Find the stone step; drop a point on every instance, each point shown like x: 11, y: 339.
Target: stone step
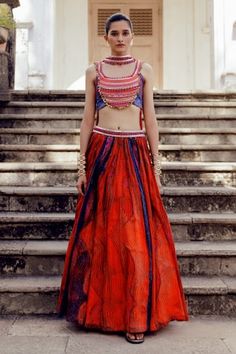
x: 43, y: 120
x: 196, y: 120
x: 47, y: 257
x: 71, y: 136
x: 162, y: 99
x: 192, y: 107
x: 193, y: 110
x: 53, y: 95
x: 171, y: 96
x: 63, y: 199
x: 58, y: 226
x: 8, y: 120
x: 191, y: 152
x: 173, y: 174
x: 61, y: 153
x: 213, y: 295
x: 197, y: 136
x: 59, y: 95
x: 79, y: 95
x: 179, y: 106
x: 43, y: 107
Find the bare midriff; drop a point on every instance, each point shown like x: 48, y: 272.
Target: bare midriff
x: 122, y: 119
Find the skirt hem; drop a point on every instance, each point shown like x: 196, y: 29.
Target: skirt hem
x: 122, y: 329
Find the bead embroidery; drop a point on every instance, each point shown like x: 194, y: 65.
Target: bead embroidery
x: 118, y: 92
x: 119, y: 60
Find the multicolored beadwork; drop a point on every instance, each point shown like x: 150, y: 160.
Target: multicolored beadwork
x: 119, y: 60
x: 119, y: 92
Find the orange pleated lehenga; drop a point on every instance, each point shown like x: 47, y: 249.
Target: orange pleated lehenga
x: 121, y: 271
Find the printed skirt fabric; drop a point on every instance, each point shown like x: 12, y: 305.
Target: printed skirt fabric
x: 121, y: 271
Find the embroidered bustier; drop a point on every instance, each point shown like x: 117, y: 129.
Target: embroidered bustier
x: 119, y: 92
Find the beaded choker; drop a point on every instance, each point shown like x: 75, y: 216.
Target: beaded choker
x: 119, y: 60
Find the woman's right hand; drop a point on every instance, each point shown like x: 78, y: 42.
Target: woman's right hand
x: 81, y: 185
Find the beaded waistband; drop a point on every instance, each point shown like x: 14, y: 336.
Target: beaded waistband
x: 119, y: 133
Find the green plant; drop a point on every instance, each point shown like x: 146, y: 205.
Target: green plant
x: 6, y: 19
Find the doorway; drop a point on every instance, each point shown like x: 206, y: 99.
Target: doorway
x: 147, y: 23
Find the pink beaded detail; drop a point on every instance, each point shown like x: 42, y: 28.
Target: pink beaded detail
x: 119, y: 60
x: 118, y: 92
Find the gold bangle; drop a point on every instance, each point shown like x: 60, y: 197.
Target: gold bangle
x: 81, y: 163
x: 157, y: 163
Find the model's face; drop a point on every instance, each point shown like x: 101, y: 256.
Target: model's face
x: 119, y: 37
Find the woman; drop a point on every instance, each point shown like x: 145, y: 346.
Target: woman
x: 121, y: 271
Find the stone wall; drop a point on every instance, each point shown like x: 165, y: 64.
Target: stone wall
x: 198, y: 44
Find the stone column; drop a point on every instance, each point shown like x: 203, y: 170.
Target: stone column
x: 7, y: 48
x: 224, y: 44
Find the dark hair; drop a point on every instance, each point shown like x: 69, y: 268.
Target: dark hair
x: 118, y: 16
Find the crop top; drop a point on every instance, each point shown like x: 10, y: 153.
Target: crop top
x: 119, y: 92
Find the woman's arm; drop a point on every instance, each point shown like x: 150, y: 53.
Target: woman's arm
x: 89, y: 109
x: 148, y: 109
x: 86, y: 127
x: 150, y: 119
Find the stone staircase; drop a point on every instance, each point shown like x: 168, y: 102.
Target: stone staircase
x: 39, y: 135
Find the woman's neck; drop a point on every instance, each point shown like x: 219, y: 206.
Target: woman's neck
x: 121, y: 54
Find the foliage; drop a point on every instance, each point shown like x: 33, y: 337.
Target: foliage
x: 6, y: 19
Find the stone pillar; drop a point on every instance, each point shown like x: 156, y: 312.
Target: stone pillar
x: 225, y: 44
x: 7, y: 48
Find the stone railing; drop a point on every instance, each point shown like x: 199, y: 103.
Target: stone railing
x: 7, y: 48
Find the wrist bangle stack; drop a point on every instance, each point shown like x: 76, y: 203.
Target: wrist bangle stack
x: 81, y: 162
x: 157, y: 164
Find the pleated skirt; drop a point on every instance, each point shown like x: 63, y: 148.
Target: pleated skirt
x: 121, y: 271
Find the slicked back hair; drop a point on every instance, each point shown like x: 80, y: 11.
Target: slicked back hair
x: 118, y: 16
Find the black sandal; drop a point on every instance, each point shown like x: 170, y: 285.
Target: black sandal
x: 134, y: 340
